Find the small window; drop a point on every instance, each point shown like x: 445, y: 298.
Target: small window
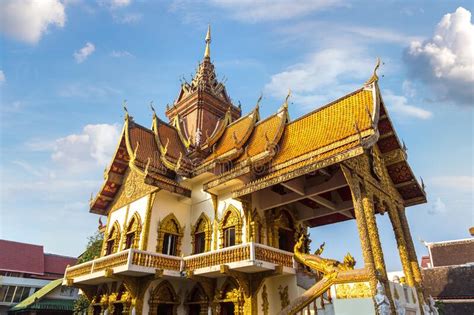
x: 129, y: 240
x: 286, y: 239
x: 110, y: 247
x: 170, y: 244
x: 18, y: 294
x: 199, y: 242
x: 3, y: 292
x: 229, y: 236
x: 26, y: 293
x: 10, y: 293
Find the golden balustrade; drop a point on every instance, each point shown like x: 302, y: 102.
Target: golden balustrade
x: 273, y: 255
x: 137, y: 258
x: 157, y: 261
x: 219, y: 257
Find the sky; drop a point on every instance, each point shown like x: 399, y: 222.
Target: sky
x: 66, y: 67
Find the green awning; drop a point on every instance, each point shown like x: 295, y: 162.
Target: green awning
x: 39, y: 301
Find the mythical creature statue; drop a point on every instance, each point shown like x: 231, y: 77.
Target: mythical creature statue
x: 381, y: 300
x: 323, y: 265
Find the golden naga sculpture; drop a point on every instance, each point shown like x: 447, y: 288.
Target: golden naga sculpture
x: 325, y: 266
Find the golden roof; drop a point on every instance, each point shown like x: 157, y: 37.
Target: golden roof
x: 327, y: 125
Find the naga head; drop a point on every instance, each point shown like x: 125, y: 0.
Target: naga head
x: 299, y: 244
x: 349, y: 261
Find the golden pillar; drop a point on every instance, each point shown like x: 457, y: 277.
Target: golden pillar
x: 361, y: 226
x: 376, y: 245
x: 415, y: 268
x: 411, y: 248
x: 402, y: 245
x: 215, y: 230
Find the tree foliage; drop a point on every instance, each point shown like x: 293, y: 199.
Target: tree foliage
x: 94, y: 245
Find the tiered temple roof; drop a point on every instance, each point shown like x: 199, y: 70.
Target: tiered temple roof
x: 248, y: 151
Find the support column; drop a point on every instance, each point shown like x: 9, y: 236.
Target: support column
x: 415, y: 268
x: 215, y: 204
x: 376, y: 245
x: 411, y: 247
x: 401, y: 243
x: 362, y: 227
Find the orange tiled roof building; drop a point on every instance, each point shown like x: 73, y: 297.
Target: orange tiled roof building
x: 209, y: 212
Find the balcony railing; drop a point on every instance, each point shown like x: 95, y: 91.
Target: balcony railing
x: 248, y: 254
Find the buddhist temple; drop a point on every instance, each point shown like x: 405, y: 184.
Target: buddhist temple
x: 209, y: 211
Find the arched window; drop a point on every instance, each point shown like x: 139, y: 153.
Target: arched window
x: 229, y: 298
x: 231, y: 227
x: 197, y: 301
x: 170, y: 234
x: 132, y: 234
x: 112, y: 239
x: 163, y: 299
x: 201, y: 234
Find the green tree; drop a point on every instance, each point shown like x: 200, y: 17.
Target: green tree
x: 94, y: 246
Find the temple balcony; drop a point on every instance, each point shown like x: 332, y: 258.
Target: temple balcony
x: 248, y: 258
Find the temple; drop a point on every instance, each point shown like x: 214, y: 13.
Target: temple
x: 208, y: 212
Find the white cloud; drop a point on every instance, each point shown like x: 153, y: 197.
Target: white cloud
x: 323, y: 76
x: 255, y: 11
x: 460, y: 183
x: 127, y: 18
x: 115, y: 4
x: 87, y: 91
x: 445, y: 61
x: 95, y: 145
x: 28, y: 20
x: 3, y: 79
x: 399, y: 104
x: 120, y: 53
x: 84, y: 52
x: 437, y: 207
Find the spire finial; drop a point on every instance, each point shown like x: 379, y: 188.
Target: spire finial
x: 207, y: 52
x: 152, y: 108
x: 374, y: 76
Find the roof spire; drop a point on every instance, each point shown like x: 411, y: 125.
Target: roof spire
x: 207, y: 52
x: 374, y: 76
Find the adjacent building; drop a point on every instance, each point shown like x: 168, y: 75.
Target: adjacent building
x: 448, y: 274
x: 209, y: 211
x: 24, y: 269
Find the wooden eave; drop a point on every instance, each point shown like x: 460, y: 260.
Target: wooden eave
x: 128, y: 155
x: 395, y: 159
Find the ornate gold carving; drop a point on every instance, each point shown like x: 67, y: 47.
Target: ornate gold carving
x: 215, y: 230
x: 112, y: 237
x: 361, y: 224
x: 146, y: 228
x: 134, y: 227
x: 394, y: 156
x: 284, y: 299
x: 170, y: 225
x: 353, y: 290
x: 231, y: 218
x: 203, y: 225
x: 164, y: 293
x: 133, y: 188
x: 328, y: 267
x: 265, y: 304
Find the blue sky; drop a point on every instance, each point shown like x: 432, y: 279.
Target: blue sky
x: 66, y: 66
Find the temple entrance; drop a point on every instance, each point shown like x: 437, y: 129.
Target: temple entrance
x: 118, y: 309
x: 164, y: 309
x: 227, y: 308
x: 197, y: 301
x: 163, y: 299
x: 194, y: 309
